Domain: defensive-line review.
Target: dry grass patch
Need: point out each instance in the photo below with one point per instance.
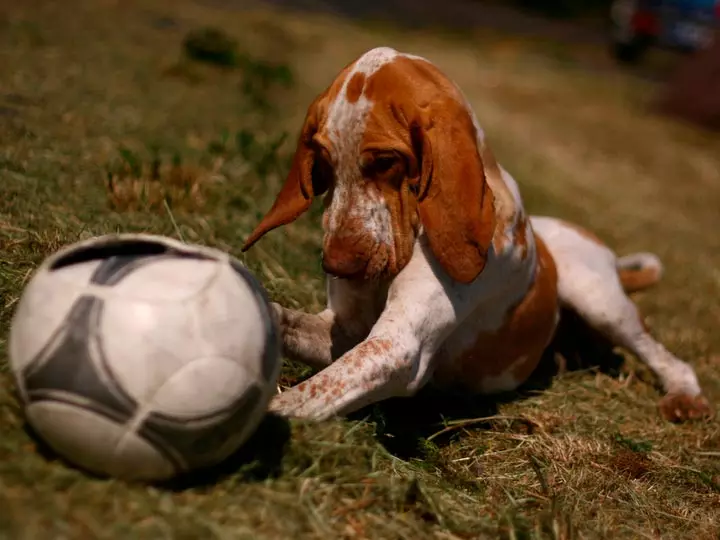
(133, 185)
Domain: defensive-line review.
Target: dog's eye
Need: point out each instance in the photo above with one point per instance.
(383, 164)
(322, 175)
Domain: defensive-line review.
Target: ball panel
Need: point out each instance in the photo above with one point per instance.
(77, 275)
(82, 402)
(271, 361)
(137, 459)
(146, 344)
(117, 267)
(199, 444)
(203, 387)
(157, 340)
(165, 279)
(111, 271)
(231, 323)
(67, 364)
(104, 247)
(91, 441)
(42, 310)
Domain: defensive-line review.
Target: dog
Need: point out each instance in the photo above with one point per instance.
(436, 273)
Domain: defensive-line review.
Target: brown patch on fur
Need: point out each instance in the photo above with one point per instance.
(402, 205)
(355, 87)
(346, 253)
(508, 205)
(428, 121)
(634, 280)
(527, 331)
(351, 253)
(379, 347)
(521, 236)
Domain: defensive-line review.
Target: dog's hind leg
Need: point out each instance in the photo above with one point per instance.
(594, 283)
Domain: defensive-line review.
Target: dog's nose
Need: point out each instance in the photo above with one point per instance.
(343, 264)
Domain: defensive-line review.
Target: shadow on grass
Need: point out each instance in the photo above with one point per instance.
(258, 459)
(404, 425)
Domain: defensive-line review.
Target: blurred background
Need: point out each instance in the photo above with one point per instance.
(630, 29)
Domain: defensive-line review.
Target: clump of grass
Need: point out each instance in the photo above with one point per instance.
(634, 465)
(211, 45)
(639, 447)
(259, 77)
(134, 184)
(262, 155)
(185, 70)
(631, 458)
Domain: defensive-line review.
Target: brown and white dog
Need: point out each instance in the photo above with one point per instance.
(436, 273)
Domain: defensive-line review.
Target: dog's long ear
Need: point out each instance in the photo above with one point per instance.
(301, 184)
(455, 202)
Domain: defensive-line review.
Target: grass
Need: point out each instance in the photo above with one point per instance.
(105, 125)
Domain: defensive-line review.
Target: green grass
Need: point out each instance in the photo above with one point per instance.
(106, 126)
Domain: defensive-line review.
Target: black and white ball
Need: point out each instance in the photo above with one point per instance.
(142, 358)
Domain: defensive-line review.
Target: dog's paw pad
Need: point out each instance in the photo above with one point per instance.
(682, 407)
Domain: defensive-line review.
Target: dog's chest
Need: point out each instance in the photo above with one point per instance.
(500, 360)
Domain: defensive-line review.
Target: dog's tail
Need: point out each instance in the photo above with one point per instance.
(638, 271)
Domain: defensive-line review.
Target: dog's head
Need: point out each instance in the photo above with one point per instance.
(393, 146)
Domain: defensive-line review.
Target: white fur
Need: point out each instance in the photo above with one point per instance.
(588, 282)
(345, 126)
(423, 308)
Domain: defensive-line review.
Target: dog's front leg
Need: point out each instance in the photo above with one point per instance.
(397, 357)
(378, 368)
(314, 339)
(319, 339)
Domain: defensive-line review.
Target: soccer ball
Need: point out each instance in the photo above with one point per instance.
(142, 358)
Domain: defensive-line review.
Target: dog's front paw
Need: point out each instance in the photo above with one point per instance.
(683, 407)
